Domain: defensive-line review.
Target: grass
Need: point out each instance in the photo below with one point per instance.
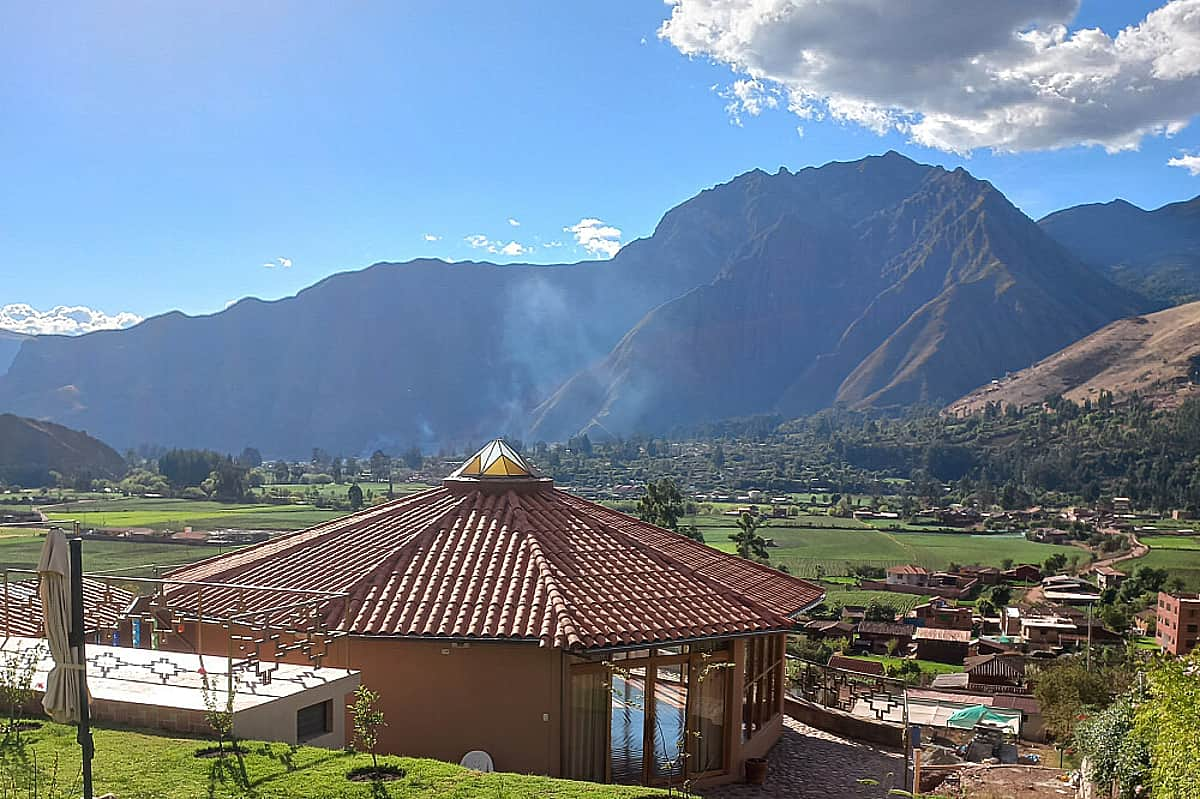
(175, 514)
(931, 666)
(135, 765)
(836, 595)
(1182, 563)
(129, 558)
(1189, 542)
(338, 490)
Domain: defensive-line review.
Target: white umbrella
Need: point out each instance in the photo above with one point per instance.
(62, 683)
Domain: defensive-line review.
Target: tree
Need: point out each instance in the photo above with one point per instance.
(1169, 724)
(1068, 691)
(750, 544)
(1055, 563)
(368, 719)
(280, 471)
(250, 458)
(413, 458)
(662, 504)
(381, 466)
(354, 495)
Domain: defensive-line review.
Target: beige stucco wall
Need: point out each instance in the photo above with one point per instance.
(276, 721)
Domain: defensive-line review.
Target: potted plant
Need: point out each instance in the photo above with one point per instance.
(756, 770)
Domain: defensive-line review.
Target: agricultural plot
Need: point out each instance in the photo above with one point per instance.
(175, 514)
(1179, 555)
(811, 552)
(127, 558)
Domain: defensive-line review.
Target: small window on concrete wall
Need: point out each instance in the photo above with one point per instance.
(314, 721)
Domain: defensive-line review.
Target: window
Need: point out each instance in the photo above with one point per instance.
(763, 684)
(314, 721)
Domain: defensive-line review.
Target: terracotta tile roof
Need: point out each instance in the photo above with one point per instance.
(907, 569)
(102, 607)
(510, 559)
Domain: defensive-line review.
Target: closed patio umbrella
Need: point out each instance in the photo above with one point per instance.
(62, 683)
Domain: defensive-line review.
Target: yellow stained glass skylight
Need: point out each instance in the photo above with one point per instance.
(497, 459)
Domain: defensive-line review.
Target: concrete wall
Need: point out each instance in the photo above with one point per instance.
(844, 724)
(276, 721)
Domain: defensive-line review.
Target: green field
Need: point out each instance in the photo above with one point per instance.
(175, 514)
(144, 766)
(338, 490)
(931, 666)
(1187, 542)
(127, 558)
(802, 550)
(903, 603)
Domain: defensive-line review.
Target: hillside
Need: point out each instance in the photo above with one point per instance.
(879, 283)
(30, 450)
(1156, 253)
(1157, 356)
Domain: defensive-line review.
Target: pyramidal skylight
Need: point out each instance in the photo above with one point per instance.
(497, 459)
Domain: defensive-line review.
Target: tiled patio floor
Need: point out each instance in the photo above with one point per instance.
(810, 764)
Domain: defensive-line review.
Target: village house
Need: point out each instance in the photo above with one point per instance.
(1046, 632)
(1022, 573)
(1050, 535)
(1005, 671)
(986, 575)
(1068, 590)
(1108, 577)
(939, 613)
(908, 575)
(870, 667)
(876, 636)
(821, 629)
(1177, 626)
(942, 645)
(854, 613)
(500, 613)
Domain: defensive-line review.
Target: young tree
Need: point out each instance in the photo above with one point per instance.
(750, 544)
(662, 504)
(355, 496)
(368, 719)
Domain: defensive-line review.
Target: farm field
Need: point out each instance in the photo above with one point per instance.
(834, 550)
(129, 558)
(1179, 555)
(175, 514)
(840, 595)
(338, 490)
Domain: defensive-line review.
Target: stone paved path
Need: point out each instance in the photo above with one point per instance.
(808, 763)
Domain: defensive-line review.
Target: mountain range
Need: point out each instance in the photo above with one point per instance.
(875, 283)
(1155, 253)
(31, 449)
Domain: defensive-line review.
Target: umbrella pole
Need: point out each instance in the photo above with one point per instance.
(77, 640)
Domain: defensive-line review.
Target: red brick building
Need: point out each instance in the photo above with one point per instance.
(1178, 625)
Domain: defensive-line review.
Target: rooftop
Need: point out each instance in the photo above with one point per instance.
(509, 557)
(938, 634)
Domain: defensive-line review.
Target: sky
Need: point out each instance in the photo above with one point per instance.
(183, 155)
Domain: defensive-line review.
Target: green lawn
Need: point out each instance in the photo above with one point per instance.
(802, 550)
(175, 514)
(931, 666)
(134, 765)
(1171, 541)
(339, 490)
(129, 558)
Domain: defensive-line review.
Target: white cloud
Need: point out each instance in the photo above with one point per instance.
(512, 249)
(750, 97)
(66, 320)
(1189, 162)
(286, 263)
(954, 75)
(431, 237)
(551, 244)
(596, 237)
(513, 222)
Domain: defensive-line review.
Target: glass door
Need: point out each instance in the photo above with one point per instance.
(629, 685)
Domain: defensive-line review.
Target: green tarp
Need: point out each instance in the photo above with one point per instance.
(968, 717)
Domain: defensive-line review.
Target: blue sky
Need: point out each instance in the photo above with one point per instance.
(157, 155)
